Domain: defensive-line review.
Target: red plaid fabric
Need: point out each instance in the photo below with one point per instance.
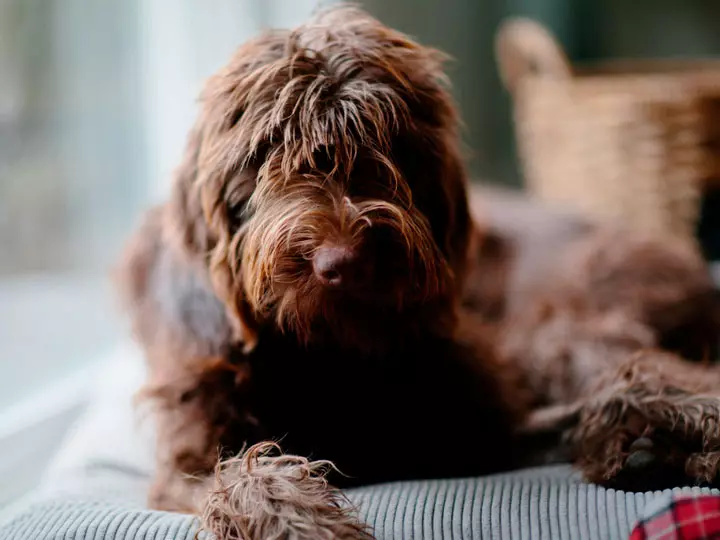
(684, 517)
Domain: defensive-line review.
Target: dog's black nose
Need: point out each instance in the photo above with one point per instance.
(336, 266)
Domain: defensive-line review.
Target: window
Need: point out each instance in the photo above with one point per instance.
(95, 102)
(72, 177)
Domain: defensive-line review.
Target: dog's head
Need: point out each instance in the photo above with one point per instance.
(324, 184)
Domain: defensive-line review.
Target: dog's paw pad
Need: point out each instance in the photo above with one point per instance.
(641, 454)
(649, 466)
(642, 444)
(642, 459)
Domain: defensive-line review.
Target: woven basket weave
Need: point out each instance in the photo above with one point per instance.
(630, 142)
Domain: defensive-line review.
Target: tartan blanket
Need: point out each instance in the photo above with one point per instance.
(680, 517)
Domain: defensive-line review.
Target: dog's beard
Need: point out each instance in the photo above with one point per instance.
(277, 246)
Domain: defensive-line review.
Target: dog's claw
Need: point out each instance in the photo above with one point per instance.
(642, 455)
(648, 467)
(640, 459)
(642, 443)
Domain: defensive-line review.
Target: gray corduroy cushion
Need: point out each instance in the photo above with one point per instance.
(97, 485)
(548, 503)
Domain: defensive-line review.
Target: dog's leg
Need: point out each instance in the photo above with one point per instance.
(257, 495)
(197, 388)
(654, 423)
(187, 448)
(595, 346)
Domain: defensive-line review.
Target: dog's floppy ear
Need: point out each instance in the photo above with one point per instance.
(431, 152)
(174, 312)
(217, 176)
(444, 197)
(461, 230)
(202, 240)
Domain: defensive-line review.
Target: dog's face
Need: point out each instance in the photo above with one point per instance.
(324, 178)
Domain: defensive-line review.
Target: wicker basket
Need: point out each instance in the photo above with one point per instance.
(630, 142)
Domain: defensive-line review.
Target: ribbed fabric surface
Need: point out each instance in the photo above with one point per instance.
(97, 486)
(87, 520)
(537, 504)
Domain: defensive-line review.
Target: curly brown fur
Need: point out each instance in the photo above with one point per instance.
(658, 396)
(312, 137)
(608, 331)
(274, 495)
(339, 139)
(334, 141)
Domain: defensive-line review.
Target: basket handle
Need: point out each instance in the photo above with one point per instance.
(524, 47)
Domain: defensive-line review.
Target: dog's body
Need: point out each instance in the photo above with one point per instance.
(317, 279)
(378, 417)
(613, 331)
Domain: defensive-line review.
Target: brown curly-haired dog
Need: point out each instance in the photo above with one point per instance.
(302, 286)
(317, 280)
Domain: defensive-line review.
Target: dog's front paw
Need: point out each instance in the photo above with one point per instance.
(265, 494)
(650, 462)
(638, 445)
(655, 423)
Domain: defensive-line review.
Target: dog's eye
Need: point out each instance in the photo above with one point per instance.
(238, 218)
(237, 193)
(368, 188)
(324, 159)
(366, 181)
(234, 118)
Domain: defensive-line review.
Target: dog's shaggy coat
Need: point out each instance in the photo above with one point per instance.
(317, 280)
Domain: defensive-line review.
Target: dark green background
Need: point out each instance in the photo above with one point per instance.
(588, 30)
